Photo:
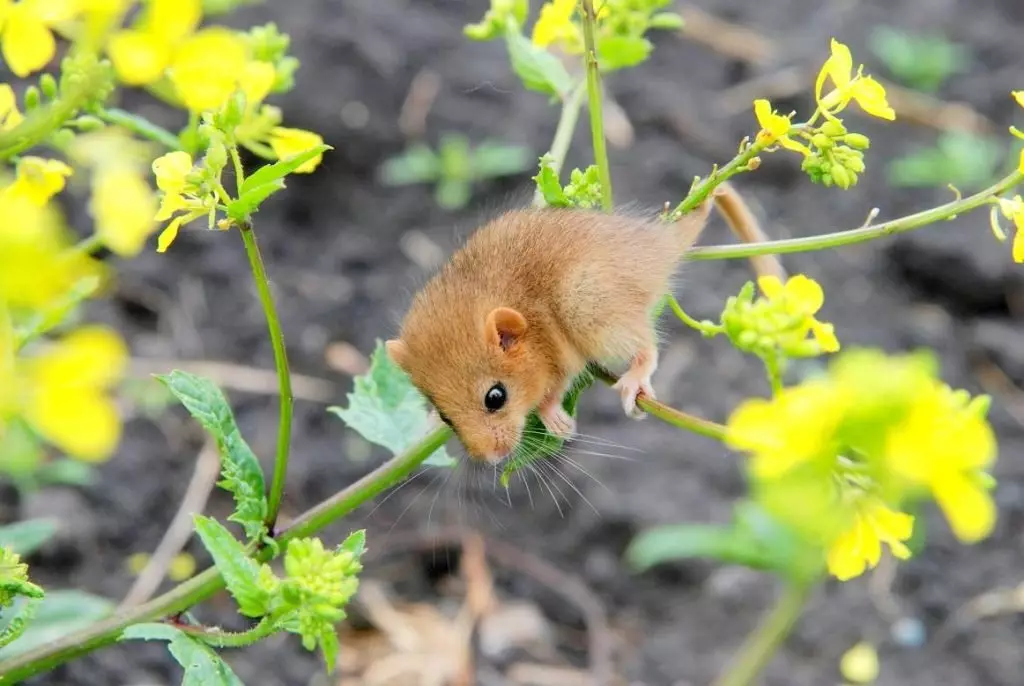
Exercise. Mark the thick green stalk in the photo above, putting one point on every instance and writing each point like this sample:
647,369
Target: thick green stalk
90,78
140,126
858,235
202,586
218,638
563,134
284,378
761,645
717,177
594,101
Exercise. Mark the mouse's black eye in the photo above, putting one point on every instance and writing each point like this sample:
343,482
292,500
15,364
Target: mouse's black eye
495,397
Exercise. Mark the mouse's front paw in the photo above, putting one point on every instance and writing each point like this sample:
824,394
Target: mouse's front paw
557,421
629,386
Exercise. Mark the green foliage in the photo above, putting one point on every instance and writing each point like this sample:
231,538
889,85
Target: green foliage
455,167
203,667
583,189
923,62
500,14
267,180
966,160
240,572
386,409
538,69
240,470
620,52
58,614
27,536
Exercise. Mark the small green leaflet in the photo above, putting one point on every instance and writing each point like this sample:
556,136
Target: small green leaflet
202,665
267,180
240,572
537,68
58,614
27,536
17,624
549,185
619,52
386,409
241,471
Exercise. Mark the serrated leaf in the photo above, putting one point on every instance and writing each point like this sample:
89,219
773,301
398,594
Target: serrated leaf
19,623
269,173
329,648
240,572
386,409
619,52
58,614
241,473
248,202
537,68
202,665
550,186
26,537
355,543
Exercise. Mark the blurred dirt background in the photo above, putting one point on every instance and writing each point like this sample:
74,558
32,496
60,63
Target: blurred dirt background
345,253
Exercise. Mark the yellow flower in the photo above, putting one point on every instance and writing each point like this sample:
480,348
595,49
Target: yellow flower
775,127
1019,97
142,53
859,664
66,392
796,426
860,546
803,297
554,23
39,179
1014,211
26,38
289,142
172,171
207,67
9,114
867,92
124,206
944,445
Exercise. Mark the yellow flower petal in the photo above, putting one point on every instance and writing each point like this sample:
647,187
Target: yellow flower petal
168,235
182,567
123,205
870,95
39,179
1018,246
169,204
1019,97
139,58
968,508
840,64
9,114
28,44
1020,165
771,286
83,423
554,18
92,357
804,294
171,169
206,68
846,557
290,142
825,334
256,81
172,20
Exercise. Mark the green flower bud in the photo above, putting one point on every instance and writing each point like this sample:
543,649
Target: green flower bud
855,165
62,138
48,85
32,98
747,339
665,20
826,180
216,158
87,122
833,128
842,177
857,140
820,140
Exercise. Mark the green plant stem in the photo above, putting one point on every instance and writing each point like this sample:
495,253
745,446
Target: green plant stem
205,584
563,134
284,377
865,233
594,101
92,78
718,176
218,638
773,368
668,414
761,645
236,161
708,329
140,126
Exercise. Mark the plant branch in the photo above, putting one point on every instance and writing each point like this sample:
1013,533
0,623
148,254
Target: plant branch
865,233
284,380
218,638
205,584
702,189
563,134
139,126
761,645
594,100
91,77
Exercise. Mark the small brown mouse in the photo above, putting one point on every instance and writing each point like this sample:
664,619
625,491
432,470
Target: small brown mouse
520,310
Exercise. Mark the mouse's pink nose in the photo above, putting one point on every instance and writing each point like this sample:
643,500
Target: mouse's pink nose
495,456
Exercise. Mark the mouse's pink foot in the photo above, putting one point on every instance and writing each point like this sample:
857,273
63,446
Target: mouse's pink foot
631,384
556,420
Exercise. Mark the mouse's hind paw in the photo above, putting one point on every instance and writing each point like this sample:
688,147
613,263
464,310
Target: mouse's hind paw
629,386
557,421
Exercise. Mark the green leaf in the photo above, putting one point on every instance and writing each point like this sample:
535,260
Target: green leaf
683,541
60,613
240,572
452,194
202,665
549,184
418,164
619,52
19,623
66,472
537,68
490,160
27,536
386,409
666,20
329,647
240,470
963,159
355,543
250,201
269,173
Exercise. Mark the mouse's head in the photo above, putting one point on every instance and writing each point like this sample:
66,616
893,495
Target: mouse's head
484,375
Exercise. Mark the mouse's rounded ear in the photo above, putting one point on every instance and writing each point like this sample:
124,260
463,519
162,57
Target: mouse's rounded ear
504,327
397,351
